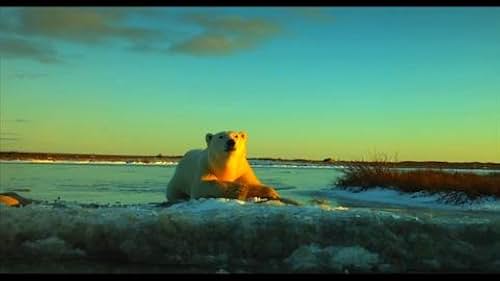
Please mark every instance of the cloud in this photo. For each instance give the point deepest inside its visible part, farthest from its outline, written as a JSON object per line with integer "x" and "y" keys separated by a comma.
{"x": 209, "y": 44}
{"x": 27, "y": 49}
{"x": 148, "y": 48}
{"x": 224, "y": 35}
{"x": 20, "y": 27}
{"x": 218, "y": 34}
{"x": 9, "y": 134}
{"x": 257, "y": 27}
{"x": 28, "y": 75}
{"x": 83, "y": 25}
{"x": 19, "y": 120}
{"x": 9, "y": 139}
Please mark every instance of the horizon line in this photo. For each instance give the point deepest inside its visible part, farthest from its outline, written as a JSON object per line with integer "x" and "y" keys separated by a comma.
{"x": 327, "y": 159}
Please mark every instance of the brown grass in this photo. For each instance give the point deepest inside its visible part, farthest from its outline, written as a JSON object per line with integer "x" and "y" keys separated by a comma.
{"x": 458, "y": 186}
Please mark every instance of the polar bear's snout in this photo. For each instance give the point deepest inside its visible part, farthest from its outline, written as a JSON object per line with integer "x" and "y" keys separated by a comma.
{"x": 230, "y": 145}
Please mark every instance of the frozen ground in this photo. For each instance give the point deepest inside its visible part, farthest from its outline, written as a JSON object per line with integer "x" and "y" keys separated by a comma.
{"x": 106, "y": 218}
{"x": 211, "y": 235}
{"x": 391, "y": 197}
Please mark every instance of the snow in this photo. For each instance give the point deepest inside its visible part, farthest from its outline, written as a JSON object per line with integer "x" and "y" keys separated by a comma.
{"x": 388, "y": 196}
{"x": 154, "y": 163}
{"x": 237, "y": 235}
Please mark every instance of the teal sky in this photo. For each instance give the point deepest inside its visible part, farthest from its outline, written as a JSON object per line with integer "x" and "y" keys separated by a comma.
{"x": 347, "y": 83}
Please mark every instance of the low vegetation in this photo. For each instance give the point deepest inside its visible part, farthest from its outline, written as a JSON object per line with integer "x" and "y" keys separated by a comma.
{"x": 456, "y": 186}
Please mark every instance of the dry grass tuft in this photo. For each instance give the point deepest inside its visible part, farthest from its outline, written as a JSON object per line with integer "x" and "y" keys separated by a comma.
{"x": 458, "y": 186}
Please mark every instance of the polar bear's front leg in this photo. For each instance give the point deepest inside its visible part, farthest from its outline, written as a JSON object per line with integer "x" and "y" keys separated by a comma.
{"x": 262, "y": 191}
{"x": 219, "y": 189}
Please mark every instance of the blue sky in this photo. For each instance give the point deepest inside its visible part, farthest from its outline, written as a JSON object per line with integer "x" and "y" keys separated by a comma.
{"x": 419, "y": 83}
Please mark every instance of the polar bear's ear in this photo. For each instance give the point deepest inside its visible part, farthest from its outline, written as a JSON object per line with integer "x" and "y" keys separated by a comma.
{"x": 208, "y": 138}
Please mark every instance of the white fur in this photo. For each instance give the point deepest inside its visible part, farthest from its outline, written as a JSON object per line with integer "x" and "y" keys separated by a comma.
{"x": 217, "y": 172}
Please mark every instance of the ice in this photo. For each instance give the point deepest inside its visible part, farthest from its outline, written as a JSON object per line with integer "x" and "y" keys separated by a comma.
{"x": 255, "y": 235}
{"x": 306, "y": 166}
{"x": 51, "y": 248}
{"x": 93, "y": 215}
{"x": 253, "y": 163}
{"x": 418, "y": 199}
{"x": 312, "y": 258}
{"x": 68, "y": 162}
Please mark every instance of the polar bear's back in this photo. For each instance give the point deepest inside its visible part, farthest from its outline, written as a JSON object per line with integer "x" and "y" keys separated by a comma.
{"x": 182, "y": 180}
{"x": 190, "y": 160}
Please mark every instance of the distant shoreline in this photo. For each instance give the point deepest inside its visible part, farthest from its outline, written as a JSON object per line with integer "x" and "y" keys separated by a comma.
{"x": 42, "y": 157}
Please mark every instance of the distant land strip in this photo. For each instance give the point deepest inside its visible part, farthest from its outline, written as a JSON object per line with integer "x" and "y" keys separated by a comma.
{"x": 46, "y": 156}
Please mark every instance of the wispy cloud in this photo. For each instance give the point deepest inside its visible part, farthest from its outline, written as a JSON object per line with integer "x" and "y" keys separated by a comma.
{"x": 224, "y": 35}
{"x": 148, "y": 48}
{"x": 19, "y": 120}
{"x": 8, "y": 134}
{"x": 27, "y": 75}
{"x": 9, "y": 139}
{"x": 21, "y": 48}
{"x": 210, "y": 44}
{"x": 256, "y": 27}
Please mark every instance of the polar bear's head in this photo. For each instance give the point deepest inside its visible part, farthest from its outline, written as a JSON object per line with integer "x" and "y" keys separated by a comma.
{"x": 227, "y": 143}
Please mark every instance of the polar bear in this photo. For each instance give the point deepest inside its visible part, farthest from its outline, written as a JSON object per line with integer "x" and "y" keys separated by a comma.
{"x": 220, "y": 170}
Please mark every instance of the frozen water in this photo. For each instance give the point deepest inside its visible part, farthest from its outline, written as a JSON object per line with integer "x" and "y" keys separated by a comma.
{"x": 269, "y": 237}
{"x": 79, "y": 225}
